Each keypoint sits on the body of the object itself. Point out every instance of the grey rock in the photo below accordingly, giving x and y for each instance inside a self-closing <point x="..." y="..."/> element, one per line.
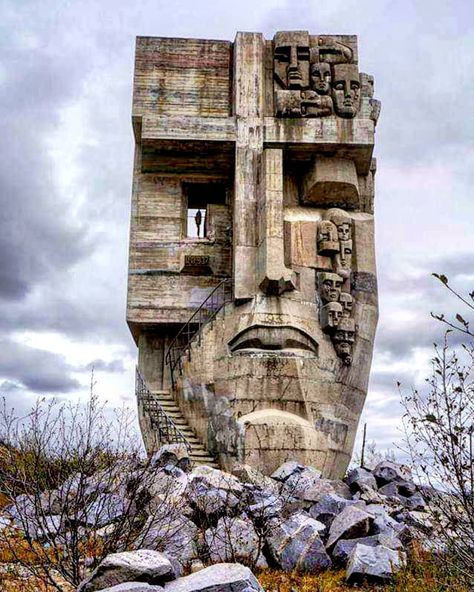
<point x="415" y="502"/>
<point x="234" y="539"/>
<point x="341" y="489"/>
<point x="172" y="533"/>
<point x="21" y="510"/>
<point x="369" y="495"/>
<point x="296" y="544"/>
<point x="359" y="476"/>
<point x="211" y="501"/>
<point x="421" y="521"/>
<point x="222" y="577"/>
<point x="144" y="565"/>
<point x="352" y="522"/>
<point x="329" y="506"/>
<point x="106" y="508"/>
<point x="218" y="479"/>
<point x="287" y="469"/>
<point x="407" y="488"/>
<point x="134" y="587"/>
<point x="248" y="474"/>
<point x="52" y="502"/>
<point x="169" y="481"/>
<point x="262" y="504"/>
<point x="214" y="492"/>
<point x="172" y="454"/>
<point x="373" y="563"/>
<point x="343" y="548"/>
<point x="384" y="524"/>
<point x="48" y="527"/>
<point x="389" y="489"/>
<point x="307" y="485"/>
<point x="388" y="471"/>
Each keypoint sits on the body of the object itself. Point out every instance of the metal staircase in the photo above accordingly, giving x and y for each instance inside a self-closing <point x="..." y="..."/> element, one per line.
<point x="168" y="423"/>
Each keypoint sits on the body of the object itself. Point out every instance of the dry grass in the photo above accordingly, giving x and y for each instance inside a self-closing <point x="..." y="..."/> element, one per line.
<point x="423" y="573"/>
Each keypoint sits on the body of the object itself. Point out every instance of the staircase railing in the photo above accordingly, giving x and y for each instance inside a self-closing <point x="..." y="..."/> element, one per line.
<point x="219" y="297"/>
<point x="165" y="429"/>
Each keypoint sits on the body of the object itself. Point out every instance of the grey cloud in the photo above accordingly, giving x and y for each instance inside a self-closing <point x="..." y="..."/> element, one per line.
<point x="36" y="370"/>
<point x="115" y="366"/>
<point x="38" y="234"/>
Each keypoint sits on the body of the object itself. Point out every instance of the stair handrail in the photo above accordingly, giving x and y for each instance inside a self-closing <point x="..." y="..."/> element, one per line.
<point x="167" y="431"/>
<point x="206" y="312"/>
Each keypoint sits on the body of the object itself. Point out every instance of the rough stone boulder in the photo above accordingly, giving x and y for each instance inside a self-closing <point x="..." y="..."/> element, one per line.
<point x="358" y="477"/>
<point x="168" y="481"/>
<point x="376" y="564"/>
<point x="388" y="471"/>
<point x="105" y="508"/>
<point x="248" y="474"/>
<point x="343" y="548"/>
<point x="288" y="469"/>
<point x="234" y="539"/>
<point x="172" y="454"/>
<point x="352" y="522"/>
<point x="222" y="577"/>
<point x="134" y="587"/>
<point x="211" y="491"/>
<point x="330" y="505"/>
<point x="295" y="543"/>
<point x="262" y="504"/>
<point x="173" y="534"/>
<point x="383" y="523"/>
<point x="144" y="565"/>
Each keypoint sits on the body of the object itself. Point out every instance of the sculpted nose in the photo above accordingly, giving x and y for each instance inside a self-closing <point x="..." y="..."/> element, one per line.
<point x="293" y="60"/>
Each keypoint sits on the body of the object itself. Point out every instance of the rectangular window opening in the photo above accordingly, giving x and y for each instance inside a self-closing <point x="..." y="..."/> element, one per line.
<point x="199" y="195"/>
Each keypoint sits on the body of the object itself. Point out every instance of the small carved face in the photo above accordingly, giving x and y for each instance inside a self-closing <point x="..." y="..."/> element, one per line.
<point x="291" y="59"/>
<point x="331" y="315"/>
<point x="347" y="303"/>
<point x="327" y="240"/>
<point x="330" y="287"/>
<point x="345" y="255"/>
<point x="344" y="231"/>
<point x="346" y="90"/>
<point x="344" y="337"/>
<point x="321" y="78"/>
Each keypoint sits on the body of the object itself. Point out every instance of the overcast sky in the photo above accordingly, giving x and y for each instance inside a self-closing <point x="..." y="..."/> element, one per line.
<point x="66" y="72"/>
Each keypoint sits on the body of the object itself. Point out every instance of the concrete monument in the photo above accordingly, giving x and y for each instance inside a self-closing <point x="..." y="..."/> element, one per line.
<point x="252" y="291"/>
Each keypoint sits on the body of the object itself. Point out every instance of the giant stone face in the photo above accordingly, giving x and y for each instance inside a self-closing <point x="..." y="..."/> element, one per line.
<point x="281" y="371"/>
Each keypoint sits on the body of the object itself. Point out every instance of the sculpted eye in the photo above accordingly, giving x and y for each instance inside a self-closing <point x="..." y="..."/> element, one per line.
<point x="339" y="86"/>
<point x="355" y="86"/>
<point x="282" y="54"/>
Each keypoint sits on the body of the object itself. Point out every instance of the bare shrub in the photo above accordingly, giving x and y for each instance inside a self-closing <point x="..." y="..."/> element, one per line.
<point x="80" y="488"/>
<point x="439" y="427"/>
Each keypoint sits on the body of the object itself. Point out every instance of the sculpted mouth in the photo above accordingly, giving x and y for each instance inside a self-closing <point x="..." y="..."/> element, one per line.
<point x="263" y="339"/>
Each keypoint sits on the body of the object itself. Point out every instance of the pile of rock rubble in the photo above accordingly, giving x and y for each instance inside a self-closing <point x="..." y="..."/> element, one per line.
<point x="294" y="520"/>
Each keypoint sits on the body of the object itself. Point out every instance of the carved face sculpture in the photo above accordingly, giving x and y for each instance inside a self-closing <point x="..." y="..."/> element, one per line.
<point x="347" y="303"/>
<point x="344" y="338"/>
<point x="331" y="314"/>
<point x="321" y="78"/>
<point x="342" y="222"/>
<point x="291" y="59"/>
<point x="346" y="90"/>
<point x="344" y="258"/>
<point x="330" y="285"/>
<point x="328" y="242"/>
